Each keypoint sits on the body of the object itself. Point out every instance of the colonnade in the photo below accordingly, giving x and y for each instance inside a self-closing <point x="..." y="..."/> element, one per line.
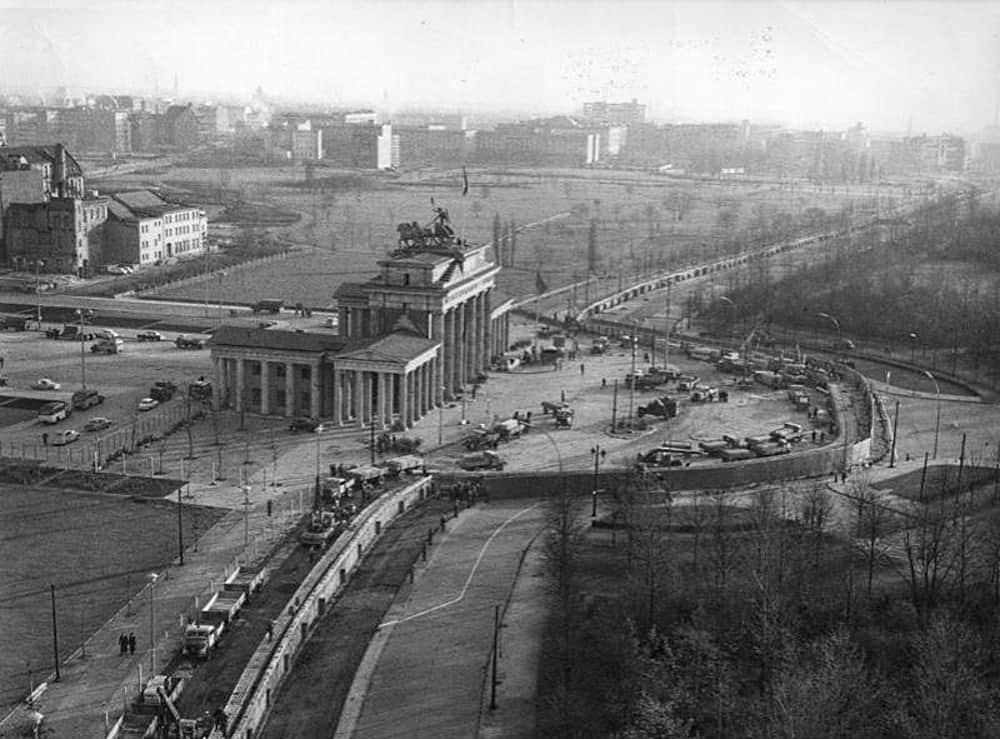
<point x="466" y="336"/>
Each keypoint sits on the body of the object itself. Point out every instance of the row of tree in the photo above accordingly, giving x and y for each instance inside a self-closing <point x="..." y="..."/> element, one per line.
<point x="784" y="612"/>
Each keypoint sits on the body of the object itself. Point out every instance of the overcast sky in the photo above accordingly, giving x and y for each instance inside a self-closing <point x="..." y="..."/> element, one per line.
<point x="932" y="65"/>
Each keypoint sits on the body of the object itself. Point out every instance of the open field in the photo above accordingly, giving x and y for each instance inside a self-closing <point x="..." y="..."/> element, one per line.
<point x="349" y="220"/>
<point x="96" y="549"/>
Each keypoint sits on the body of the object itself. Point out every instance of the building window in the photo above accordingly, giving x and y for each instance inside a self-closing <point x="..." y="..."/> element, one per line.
<point x="305" y="373"/>
<point x="279" y="370"/>
<point x="255" y="369"/>
<point x="255" y="395"/>
<point x="279" y="397"/>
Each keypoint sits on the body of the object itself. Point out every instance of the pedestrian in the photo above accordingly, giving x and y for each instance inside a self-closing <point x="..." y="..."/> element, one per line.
<point x="131" y="642"/>
<point x="45" y="439"/>
<point x="581" y="369"/>
<point x="122" y="644"/>
<point x="814" y="436"/>
<point x="529" y="418"/>
<point x="645" y="357"/>
<point x="604" y="382"/>
<point x="1" y="362"/>
<point x="270" y="631"/>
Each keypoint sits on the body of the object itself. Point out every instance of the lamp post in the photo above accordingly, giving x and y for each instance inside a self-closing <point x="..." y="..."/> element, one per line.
<point x="316" y="501"/>
<point x="441" y="416"/>
<point x="152" y="624"/>
<point x="937" y="422"/>
<point x="913" y="347"/>
<point x="598" y="455"/>
<point x="631" y="394"/>
<point x="38" y="290"/>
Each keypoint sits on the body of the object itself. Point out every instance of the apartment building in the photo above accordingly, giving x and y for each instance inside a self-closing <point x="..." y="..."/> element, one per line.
<point x="144" y="229"/>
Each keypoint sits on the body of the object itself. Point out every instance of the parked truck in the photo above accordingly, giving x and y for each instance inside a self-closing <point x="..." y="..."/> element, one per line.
<point x="408" y="464"/>
<point x="246" y="580"/>
<point x="323" y="528"/>
<point x="202" y="636"/>
<point x="663" y="407"/>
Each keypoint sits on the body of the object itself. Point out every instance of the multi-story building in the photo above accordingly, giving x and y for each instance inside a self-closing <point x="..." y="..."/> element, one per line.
<point x="387" y="148"/>
<point x="409" y="339"/>
<point x="604" y="113"/>
<point x="64" y="234"/>
<point x="180" y="128"/>
<point x="36" y="174"/>
<point x="559" y="141"/>
<point x="144" y="229"/>
<point x="353" y="145"/>
<point x="306" y="144"/>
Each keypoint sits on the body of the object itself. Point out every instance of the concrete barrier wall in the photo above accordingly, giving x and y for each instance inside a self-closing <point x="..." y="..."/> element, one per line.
<point x="250" y="701"/>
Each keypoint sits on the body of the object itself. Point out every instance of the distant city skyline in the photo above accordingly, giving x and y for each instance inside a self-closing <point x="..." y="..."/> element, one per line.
<point x="920" y="66"/>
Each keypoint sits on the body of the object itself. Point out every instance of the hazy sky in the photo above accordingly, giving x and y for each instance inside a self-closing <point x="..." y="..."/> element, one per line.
<point x="829" y="64"/>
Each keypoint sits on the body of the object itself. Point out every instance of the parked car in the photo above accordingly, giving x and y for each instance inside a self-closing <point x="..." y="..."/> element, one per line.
<point x="117" y="269"/>
<point x="45" y="383"/>
<point x="66" y="436"/>
<point x="189" y="342"/>
<point x="97" y="423"/>
<point x="84" y="399"/>
<point x="149" y="336"/>
<point x="147" y="404"/>
<point x="305" y="424"/>
<point x="108" y="346"/>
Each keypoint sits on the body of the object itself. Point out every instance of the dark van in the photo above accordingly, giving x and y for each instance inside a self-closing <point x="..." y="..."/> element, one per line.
<point x="271" y="305"/>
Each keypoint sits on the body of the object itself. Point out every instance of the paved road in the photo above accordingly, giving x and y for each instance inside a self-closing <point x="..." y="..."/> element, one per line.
<point x="427" y="679"/>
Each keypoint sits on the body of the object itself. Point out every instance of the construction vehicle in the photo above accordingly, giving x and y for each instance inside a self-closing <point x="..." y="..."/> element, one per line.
<point x="564" y="417"/>
<point x="484" y="460"/>
<point x="713" y="446"/>
<point x="162" y="391"/>
<point x="735" y="454"/>
<point x="408" y="463"/>
<point x="481" y="439"/>
<point x="686" y="383"/>
<point x="770" y="449"/>
<point x="246" y="580"/>
<point x="508" y="429"/>
<point x="323" y="528"/>
<point x="367" y="476"/>
<point x="551" y="406"/>
<point x="202" y="636"/>
<point x="663" y="407"/>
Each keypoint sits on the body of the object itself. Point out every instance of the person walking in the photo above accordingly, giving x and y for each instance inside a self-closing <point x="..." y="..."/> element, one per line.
<point x="131" y="642"/>
<point x="122" y="644"/>
<point x="582" y="368"/>
<point x="45" y="439"/>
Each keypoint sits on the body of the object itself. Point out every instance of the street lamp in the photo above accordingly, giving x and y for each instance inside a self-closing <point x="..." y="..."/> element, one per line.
<point x="913" y="347"/>
<point x="937" y="422"/>
<point x="598" y="455"/>
<point x="39" y="263"/>
<point x="316" y="502"/>
<point x="152" y="625"/>
<point x="441" y="416"/>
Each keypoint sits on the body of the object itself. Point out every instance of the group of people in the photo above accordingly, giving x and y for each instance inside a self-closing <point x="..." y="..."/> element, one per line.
<point x="126" y="643"/>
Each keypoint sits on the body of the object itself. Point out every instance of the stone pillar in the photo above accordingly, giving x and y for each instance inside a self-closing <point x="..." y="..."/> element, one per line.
<point x="481" y="358"/>
<point x="356" y="395"/>
<point x="289" y="389"/>
<point x="488" y="327"/>
<point x="421" y="391"/>
<point x="220" y="383"/>
<point x="411" y="411"/>
<point x="404" y="400"/>
<point x="314" y="380"/>
<point x="383" y="388"/>
<point x="462" y="347"/>
<point x="338" y="398"/>
<point x="449" y="353"/>
<point x="240" y="389"/>
<point x="265" y="387"/>
<point x="438" y="379"/>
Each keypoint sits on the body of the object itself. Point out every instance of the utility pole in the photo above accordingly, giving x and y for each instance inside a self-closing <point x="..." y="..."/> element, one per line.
<point x="55" y="629"/>
<point x="614" y="409"/>
<point x="631" y="394"/>
<point x="666" y="333"/>
<point x="895" y="432"/>
<point x="180" y="527"/>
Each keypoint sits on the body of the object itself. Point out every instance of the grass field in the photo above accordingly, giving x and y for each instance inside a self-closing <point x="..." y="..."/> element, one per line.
<point x="349" y="220"/>
<point x="96" y="550"/>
